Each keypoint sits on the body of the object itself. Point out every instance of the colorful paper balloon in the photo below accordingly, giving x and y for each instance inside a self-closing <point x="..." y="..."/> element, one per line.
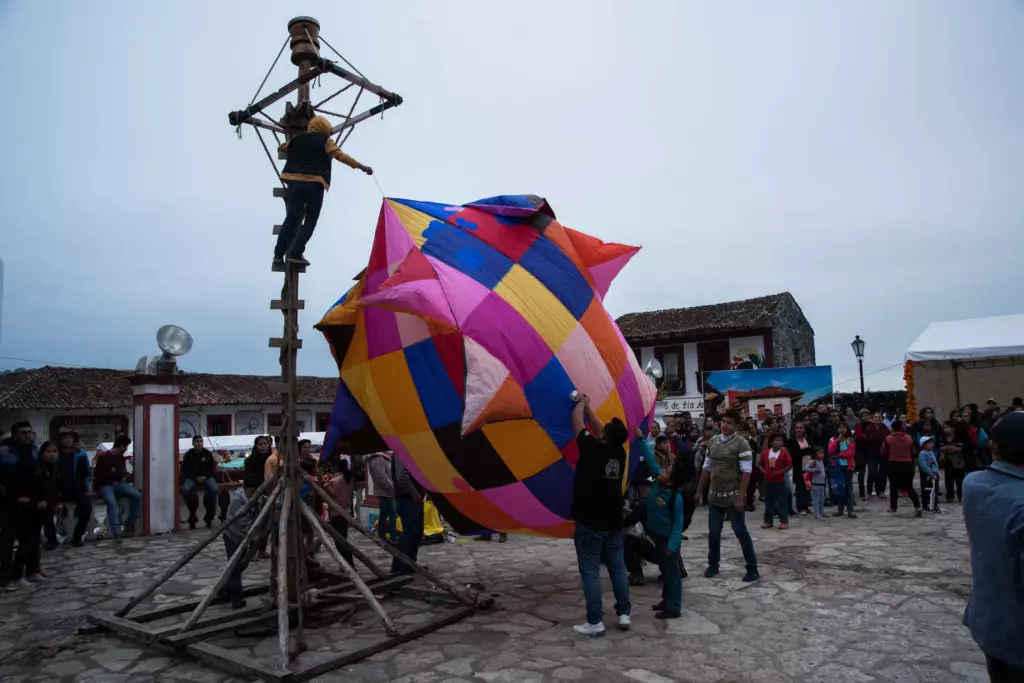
<point x="459" y="347"/>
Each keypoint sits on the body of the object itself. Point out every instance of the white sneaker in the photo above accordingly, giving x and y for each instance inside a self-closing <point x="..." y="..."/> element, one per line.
<point x="624" y="622"/>
<point x="589" y="629"/>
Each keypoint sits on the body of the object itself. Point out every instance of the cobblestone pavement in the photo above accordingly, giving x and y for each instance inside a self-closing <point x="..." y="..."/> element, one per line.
<point x="878" y="598"/>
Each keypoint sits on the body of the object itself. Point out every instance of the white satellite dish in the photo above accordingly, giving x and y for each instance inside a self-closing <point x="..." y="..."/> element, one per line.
<point x="174" y="340"/>
<point x="654" y="369"/>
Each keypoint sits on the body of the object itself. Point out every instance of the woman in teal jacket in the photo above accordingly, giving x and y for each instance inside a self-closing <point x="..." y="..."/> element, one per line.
<point x="665" y="526"/>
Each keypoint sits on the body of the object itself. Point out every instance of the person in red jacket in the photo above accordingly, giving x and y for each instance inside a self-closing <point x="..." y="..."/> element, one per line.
<point x="870" y="433"/>
<point x="775" y="462"/>
<point x="842" y="450"/>
<point x="898" y="447"/>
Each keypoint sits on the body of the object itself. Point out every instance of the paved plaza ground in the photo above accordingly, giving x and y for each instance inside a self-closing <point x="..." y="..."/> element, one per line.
<point x="878" y="598"/>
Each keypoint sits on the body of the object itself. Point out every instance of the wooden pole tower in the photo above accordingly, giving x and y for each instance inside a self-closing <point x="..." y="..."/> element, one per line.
<point x="281" y="511"/>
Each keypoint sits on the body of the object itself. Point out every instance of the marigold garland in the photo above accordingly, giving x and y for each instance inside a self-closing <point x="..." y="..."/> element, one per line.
<point x="908" y="378"/>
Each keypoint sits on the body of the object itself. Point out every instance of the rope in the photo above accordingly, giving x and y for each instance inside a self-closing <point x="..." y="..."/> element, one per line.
<point x="238" y="128"/>
<point x="269" y="157"/>
<point x="350" y="64"/>
<point x="264" y="81"/>
<point x="374" y="176"/>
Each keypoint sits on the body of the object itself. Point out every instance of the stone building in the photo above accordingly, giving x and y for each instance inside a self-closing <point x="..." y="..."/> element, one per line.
<point x="769" y="331"/>
<point x="97" y="403"/>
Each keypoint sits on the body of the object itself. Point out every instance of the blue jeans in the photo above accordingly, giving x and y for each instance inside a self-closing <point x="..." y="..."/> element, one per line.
<point x="776" y="499"/>
<point x="386" y="521"/>
<point x="234" y="582"/>
<point x="594" y="548"/>
<point x="210" y="492"/>
<point x="302" y="210"/>
<point x="109" y="494"/>
<point x="411" y="513"/>
<point x="716" y="519"/>
<point x="671" y="577"/>
<point x="818" y="499"/>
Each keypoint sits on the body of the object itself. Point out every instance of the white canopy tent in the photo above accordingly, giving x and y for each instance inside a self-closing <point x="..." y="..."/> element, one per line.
<point x="968" y="361"/>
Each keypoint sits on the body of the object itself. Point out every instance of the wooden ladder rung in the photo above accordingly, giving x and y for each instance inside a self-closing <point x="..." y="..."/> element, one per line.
<point x="281" y="192"/>
<point x="277" y="229"/>
<point x="278" y="387"/>
<point x="278" y="343"/>
<point x="279" y="267"/>
<point x="279" y="305"/>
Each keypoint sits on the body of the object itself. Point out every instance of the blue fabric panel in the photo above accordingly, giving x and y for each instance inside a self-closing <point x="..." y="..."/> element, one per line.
<point x="432" y="209"/>
<point x="549" y="264"/>
<point x="467" y="254"/>
<point x="552" y="486"/>
<point x="548" y="396"/>
<point x="441" y="402"/>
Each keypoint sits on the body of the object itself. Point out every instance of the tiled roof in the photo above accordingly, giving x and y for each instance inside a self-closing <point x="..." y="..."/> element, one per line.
<point x="96" y="388"/>
<point x="679" y="322"/>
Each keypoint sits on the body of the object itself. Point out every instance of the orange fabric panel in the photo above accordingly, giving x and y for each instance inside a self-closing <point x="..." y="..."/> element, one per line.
<point x="399" y="398"/>
<point x="524" y="445"/>
<point x="602" y="332"/>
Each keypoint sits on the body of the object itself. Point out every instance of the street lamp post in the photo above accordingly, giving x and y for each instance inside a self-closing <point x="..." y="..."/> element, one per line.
<point x="858" y="350"/>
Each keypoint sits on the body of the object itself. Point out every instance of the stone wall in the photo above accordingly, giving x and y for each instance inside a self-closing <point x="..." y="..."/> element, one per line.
<point x="792" y="336"/>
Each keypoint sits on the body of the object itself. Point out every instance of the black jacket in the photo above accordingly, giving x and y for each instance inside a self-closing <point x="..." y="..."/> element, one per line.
<point x="17" y="465"/>
<point x="195" y="464"/>
<point x="46" y="481"/>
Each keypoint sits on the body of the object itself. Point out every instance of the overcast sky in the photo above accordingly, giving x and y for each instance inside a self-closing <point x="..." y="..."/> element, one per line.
<point x="866" y="156"/>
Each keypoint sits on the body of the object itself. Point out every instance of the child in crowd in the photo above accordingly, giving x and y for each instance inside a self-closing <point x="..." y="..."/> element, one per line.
<point x="955" y="464"/>
<point x="775" y="463"/>
<point x="929" y="466"/>
<point x="664" y="525"/>
<point x="340" y="486"/>
<point x="816" y="468"/>
<point x="233" y="535"/>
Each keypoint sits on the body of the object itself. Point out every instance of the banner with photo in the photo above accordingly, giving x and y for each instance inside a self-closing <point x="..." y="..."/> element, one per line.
<point x="765" y="391"/>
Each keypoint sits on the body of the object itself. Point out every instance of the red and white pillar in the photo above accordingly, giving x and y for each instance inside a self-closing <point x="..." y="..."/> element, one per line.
<point x="155" y="443"/>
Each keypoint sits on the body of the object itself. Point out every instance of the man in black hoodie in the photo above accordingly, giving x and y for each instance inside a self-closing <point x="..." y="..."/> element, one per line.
<point x="17" y="456"/>
<point x="75" y="480"/>
<point x="198" y="467"/>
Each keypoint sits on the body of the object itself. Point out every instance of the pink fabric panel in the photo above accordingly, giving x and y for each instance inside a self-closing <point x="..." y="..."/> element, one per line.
<point x="396" y="238"/>
<point x="501" y="330"/>
<point x="520" y="504"/>
<point x="464" y="293"/>
<point x="396" y="446"/>
<point x="411" y="329"/>
<point x="604" y="273"/>
<point x="629" y="394"/>
<point x="374" y="280"/>
<point x="381" y="332"/>
<point x="484" y="376"/>
<point x="419" y="297"/>
<point x="586" y="368"/>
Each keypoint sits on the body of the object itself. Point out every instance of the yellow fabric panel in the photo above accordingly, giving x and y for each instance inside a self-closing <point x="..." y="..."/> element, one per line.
<point x="358" y="349"/>
<point x="432" y="461"/>
<point x="360" y="383"/>
<point x="345" y="314"/>
<point x="414" y="222"/>
<point x="523" y="445"/>
<point x="537" y="305"/>
<point x="404" y="411"/>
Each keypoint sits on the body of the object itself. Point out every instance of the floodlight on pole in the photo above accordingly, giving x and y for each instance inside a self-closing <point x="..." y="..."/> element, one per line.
<point x="174" y="341"/>
<point x="858" y="350"/>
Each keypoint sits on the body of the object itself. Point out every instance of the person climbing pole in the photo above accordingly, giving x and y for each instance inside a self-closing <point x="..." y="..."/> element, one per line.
<point x="307" y="174"/>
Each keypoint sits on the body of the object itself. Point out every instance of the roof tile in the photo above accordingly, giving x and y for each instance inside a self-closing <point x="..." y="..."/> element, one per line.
<point x="679" y="322"/>
<point x="96" y="388"/>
